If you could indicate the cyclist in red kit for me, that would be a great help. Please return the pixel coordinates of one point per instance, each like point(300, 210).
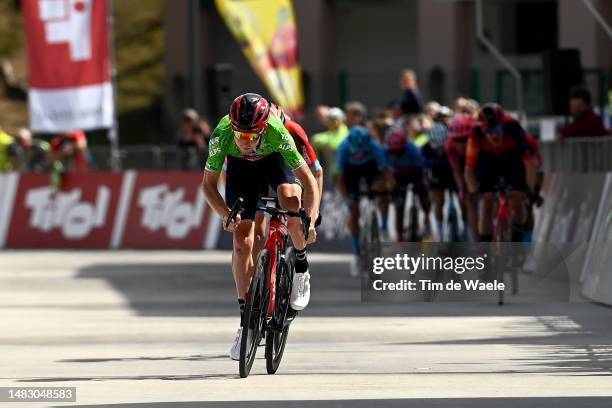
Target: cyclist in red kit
point(497, 150)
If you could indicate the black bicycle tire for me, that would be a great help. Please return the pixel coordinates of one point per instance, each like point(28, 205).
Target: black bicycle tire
point(413, 230)
point(277, 340)
point(500, 237)
point(256, 296)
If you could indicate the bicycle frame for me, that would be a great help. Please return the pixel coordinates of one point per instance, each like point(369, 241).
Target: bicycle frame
point(504, 212)
point(275, 245)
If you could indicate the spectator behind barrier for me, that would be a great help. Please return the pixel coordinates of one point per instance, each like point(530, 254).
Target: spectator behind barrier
point(6, 140)
point(321, 112)
point(356, 114)
point(412, 102)
point(194, 150)
point(29, 154)
point(70, 149)
point(190, 119)
point(585, 122)
point(326, 143)
point(381, 124)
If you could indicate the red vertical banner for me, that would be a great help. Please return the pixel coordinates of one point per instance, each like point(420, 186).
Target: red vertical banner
point(69, 64)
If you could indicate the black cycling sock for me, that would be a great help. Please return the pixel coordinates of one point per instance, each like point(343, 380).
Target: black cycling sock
point(486, 237)
point(241, 303)
point(301, 263)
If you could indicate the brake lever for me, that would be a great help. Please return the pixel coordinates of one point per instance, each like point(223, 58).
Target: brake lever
point(236, 209)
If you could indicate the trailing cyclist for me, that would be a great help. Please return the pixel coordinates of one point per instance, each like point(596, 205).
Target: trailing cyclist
point(440, 172)
point(407, 163)
point(361, 158)
point(497, 149)
point(310, 157)
point(460, 128)
point(260, 152)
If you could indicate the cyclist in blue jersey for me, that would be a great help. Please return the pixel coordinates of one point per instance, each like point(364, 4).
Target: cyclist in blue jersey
point(360, 157)
point(407, 163)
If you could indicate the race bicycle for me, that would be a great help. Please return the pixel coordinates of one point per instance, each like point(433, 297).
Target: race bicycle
point(267, 309)
point(502, 232)
point(369, 231)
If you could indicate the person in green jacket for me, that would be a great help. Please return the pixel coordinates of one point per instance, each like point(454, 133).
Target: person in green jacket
point(6, 162)
point(326, 143)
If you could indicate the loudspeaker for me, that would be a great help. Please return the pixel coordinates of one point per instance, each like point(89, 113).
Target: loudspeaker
point(219, 89)
point(562, 70)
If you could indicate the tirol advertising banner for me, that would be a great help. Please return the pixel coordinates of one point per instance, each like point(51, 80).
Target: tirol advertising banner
point(267, 33)
point(107, 210)
point(69, 65)
point(80, 215)
point(168, 210)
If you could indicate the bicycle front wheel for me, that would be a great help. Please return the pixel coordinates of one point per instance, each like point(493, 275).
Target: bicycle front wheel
point(277, 339)
point(254, 315)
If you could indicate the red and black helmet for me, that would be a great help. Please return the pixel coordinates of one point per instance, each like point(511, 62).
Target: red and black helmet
point(249, 113)
point(491, 115)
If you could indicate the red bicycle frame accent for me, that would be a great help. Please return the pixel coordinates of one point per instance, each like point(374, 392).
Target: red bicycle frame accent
point(503, 212)
point(277, 231)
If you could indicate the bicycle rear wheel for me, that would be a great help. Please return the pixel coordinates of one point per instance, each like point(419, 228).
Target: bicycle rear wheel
point(254, 315)
point(502, 234)
point(277, 339)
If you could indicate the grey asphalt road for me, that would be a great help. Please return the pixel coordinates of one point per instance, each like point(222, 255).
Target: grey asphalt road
point(152, 329)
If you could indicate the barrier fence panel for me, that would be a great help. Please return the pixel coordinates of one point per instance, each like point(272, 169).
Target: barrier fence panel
point(578, 155)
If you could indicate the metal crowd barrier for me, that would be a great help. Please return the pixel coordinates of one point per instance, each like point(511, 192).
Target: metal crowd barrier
point(139, 157)
point(585, 155)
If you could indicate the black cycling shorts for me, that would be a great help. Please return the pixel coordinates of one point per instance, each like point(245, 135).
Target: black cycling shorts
point(491, 168)
point(442, 177)
point(251, 179)
point(403, 180)
point(353, 174)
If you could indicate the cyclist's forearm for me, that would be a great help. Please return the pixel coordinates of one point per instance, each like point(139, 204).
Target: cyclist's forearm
point(318, 175)
point(340, 183)
point(311, 202)
point(531, 176)
point(209, 187)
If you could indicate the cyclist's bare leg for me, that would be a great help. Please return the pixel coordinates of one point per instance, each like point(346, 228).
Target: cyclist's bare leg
point(383, 204)
point(289, 198)
point(519, 210)
point(399, 218)
point(383, 201)
point(485, 223)
point(519, 215)
point(470, 211)
point(353, 221)
point(438, 196)
point(242, 259)
point(425, 203)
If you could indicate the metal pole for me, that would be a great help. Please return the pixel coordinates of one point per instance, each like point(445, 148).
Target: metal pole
point(113, 133)
point(598, 17)
point(195, 60)
point(497, 54)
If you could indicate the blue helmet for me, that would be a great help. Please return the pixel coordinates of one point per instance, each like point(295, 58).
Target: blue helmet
point(359, 139)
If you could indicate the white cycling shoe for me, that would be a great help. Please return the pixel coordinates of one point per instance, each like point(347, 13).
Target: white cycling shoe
point(234, 352)
point(300, 292)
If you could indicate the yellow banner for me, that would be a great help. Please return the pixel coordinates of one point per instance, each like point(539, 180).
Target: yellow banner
point(267, 34)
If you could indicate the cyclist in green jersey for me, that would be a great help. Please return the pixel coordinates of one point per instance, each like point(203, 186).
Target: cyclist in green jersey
point(260, 152)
